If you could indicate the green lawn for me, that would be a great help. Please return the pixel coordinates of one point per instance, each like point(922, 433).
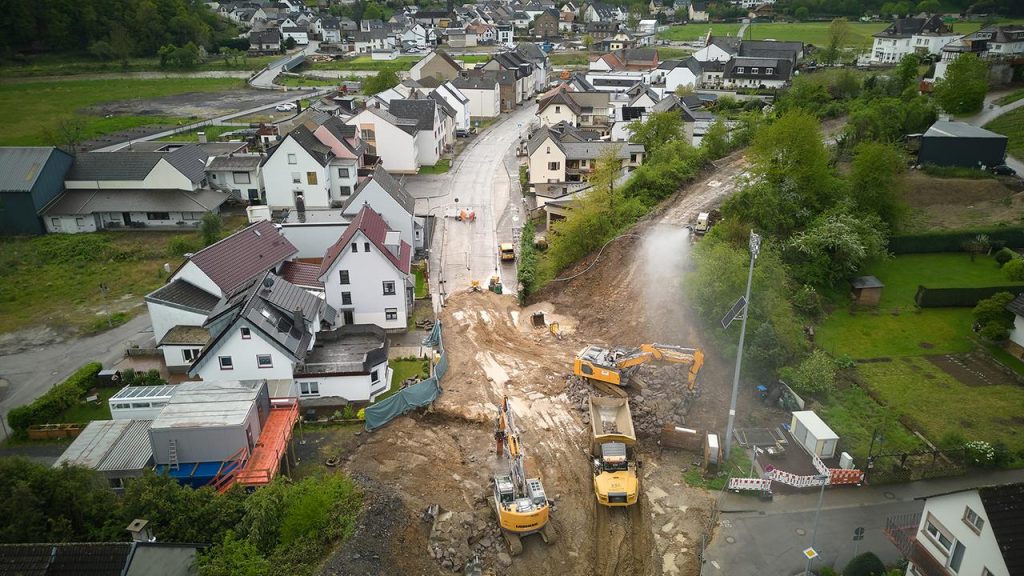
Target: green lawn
point(672, 53)
point(421, 283)
point(570, 59)
point(367, 63)
point(940, 404)
point(471, 58)
point(302, 81)
point(1011, 97)
point(696, 31)
point(855, 416)
point(83, 413)
point(441, 167)
point(1011, 125)
point(72, 64)
point(212, 133)
point(34, 107)
point(738, 466)
point(405, 368)
point(895, 328)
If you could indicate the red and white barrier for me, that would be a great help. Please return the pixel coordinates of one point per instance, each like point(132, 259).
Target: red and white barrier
point(760, 484)
point(839, 476)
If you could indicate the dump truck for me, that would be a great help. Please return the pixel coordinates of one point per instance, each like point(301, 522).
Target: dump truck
point(705, 220)
point(507, 251)
point(616, 482)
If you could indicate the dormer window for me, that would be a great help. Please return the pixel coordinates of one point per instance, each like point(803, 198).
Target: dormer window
point(739, 69)
point(754, 70)
point(769, 71)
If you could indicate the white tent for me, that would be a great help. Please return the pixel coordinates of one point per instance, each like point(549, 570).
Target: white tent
point(813, 434)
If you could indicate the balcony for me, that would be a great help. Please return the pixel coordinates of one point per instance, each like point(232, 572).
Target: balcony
point(902, 532)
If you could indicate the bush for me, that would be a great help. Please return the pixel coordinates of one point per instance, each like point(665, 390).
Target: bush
point(181, 245)
point(1014, 269)
point(959, 297)
point(527, 262)
point(1004, 255)
point(952, 240)
point(56, 400)
point(816, 374)
point(866, 564)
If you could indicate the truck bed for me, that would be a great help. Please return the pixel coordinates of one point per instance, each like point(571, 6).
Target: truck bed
point(611, 420)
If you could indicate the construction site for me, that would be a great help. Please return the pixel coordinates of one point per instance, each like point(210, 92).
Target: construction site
point(442, 464)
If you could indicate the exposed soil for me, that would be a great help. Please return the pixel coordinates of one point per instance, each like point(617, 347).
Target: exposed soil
point(949, 203)
point(198, 104)
point(975, 369)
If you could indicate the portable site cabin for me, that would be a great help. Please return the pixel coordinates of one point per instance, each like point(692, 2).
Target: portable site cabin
point(140, 402)
point(813, 434)
point(206, 425)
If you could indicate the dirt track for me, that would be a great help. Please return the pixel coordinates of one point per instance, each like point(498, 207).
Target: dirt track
point(632, 295)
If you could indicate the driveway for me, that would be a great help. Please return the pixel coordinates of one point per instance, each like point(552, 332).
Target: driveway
point(484, 179)
point(990, 112)
point(265, 79)
point(30, 374)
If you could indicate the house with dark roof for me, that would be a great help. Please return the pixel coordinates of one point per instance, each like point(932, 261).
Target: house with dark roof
point(521, 71)
point(349, 155)
point(741, 72)
point(562, 158)
point(297, 172)
point(1015, 345)
point(483, 92)
point(155, 184)
point(438, 65)
point(971, 531)
point(389, 138)
point(193, 291)
point(545, 25)
point(238, 175)
point(265, 42)
point(261, 331)
point(138, 558)
point(904, 36)
point(366, 274)
point(30, 178)
point(389, 198)
point(1001, 45)
point(586, 110)
point(457, 103)
point(532, 53)
point(431, 134)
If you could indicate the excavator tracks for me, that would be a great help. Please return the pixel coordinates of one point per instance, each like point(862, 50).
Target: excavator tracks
point(609, 389)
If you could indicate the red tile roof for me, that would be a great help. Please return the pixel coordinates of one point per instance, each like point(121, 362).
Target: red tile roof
point(375, 229)
point(243, 255)
point(302, 274)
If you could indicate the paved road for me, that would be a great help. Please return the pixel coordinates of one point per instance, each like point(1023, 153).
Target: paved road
point(990, 112)
point(265, 80)
point(33, 372)
point(484, 180)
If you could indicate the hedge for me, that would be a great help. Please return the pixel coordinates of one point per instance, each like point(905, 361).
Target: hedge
point(961, 297)
point(953, 240)
point(56, 400)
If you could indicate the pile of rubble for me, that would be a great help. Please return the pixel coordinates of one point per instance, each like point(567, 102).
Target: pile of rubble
point(466, 541)
point(427, 324)
point(658, 395)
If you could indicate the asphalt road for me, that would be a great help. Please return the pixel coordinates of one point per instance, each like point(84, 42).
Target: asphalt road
point(265, 79)
point(990, 112)
point(30, 374)
point(484, 180)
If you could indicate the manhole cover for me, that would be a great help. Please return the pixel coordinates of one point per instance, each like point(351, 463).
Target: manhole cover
point(730, 539)
point(889, 496)
point(801, 532)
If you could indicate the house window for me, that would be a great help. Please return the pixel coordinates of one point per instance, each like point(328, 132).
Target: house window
point(213, 176)
point(342, 172)
point(292, 159)
point(346, 298)
point(389, 288)
point(632, 158)
point(739, 69)
point(973, 520)
point(190, 215)
point(225, 363)
point(939, 536)
point(80, 222)
point(769, 71)
point(189, 354)
point(355, 247)
point(309, 388)
point(240, 177)
point(558, 109)
point(264, 361)
point(296, 178)
point(755, 70)
point(246, 333)
point(374, 377)
point(554, 165)
point(55, 222)
point(366, 246)
point(391, 313)
point(158, 216)
point(346, 190)
point(311, 178)
point(343, 276)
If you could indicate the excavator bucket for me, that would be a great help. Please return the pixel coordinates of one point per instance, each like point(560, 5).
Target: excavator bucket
point(555, 330)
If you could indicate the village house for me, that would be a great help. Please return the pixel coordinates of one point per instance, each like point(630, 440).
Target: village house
point(237, 174)
point(904, 36)
point(437, 65)
point(388, 198)
point(483, 93)
point(390, 138)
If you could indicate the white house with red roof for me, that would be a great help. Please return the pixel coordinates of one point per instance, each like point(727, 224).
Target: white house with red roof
point(389, 198)
point(179, 308)
point(366, 274)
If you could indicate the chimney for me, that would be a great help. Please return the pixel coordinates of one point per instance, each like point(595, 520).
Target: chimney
point(297, 318)
point(140, 531)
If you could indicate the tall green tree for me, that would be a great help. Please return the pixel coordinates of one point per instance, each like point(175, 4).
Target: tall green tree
point(963, 89)
point(383, 80)
point(835, 246)
point(876, 182)
point(659, 129)
point(838, 36)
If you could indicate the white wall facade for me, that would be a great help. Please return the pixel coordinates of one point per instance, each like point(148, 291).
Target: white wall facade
point(279, 178)
point(540, 161)
point(462, 112)
point(1017, 334)
point(343, 176)
point(240, 182)
point(175, 357)
point(382, 203)
point(243, 354)
point(396, 148)
point(947, 513)
point(711, 53)
point(428, 147)
point(358, 388)
point(367, 273)
point(71, 224)
point(555, 113)
point(890, 50)
point(195, 276)
point(483, 103)
point(163, 318)
point(680, 76)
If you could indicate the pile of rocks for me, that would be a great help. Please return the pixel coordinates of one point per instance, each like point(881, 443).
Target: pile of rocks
point(466, 540)
point(658, 395)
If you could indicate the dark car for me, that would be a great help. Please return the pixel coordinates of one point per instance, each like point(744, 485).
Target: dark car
point(1003, 170)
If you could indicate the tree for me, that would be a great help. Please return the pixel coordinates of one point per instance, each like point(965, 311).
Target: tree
point(588, 41)
point(866, 564)
point(632, 21)
point(602, 178)
point(906, 73)
point(963, 89)
point(978, 245)
point(122, 44)
point(801, 13)
point(876, 182)
point(838, 35)
point(659, 129)
point(684, 90)
point(179, 513)
point(816, 374)
point(716, 139)
point(835, 246)
point(102, 50)
point(210, 227)
point(233, 556)
point(992, 317)
point(929, 6)
point(384, 79)
point(289, 43)
point(68, 133)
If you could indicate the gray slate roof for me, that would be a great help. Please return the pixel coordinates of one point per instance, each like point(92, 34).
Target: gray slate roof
point(75, 202)
point(948, 129)
point(1017, 305)
point(393, 187)
point(422, 111)
point(181, 294)
point(476, 82)
point(317, 149)
point(243, 162)
point(20, 166)
point(113, 165)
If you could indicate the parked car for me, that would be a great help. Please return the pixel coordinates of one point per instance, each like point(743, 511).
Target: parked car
point(460, 133)
point(1003, 170)
point(286, 107)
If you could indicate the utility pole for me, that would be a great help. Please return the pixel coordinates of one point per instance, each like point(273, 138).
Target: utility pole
point(814, 534)
point(755, 249)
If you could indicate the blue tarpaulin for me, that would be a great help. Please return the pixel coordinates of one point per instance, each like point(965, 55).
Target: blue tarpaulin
point(415, 396)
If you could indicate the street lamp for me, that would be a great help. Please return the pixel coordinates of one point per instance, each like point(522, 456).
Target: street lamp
point(755, 249)
point(817, 515)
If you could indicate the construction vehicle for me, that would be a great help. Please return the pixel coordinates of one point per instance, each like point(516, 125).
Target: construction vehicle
point(617, 366)
point(507, 252)
point(520, 503)
point(494, 285)
point(705, 220)
point(616, 482)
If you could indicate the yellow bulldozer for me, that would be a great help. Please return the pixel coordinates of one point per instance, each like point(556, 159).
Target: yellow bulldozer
point(614, 367)
point(519, 502)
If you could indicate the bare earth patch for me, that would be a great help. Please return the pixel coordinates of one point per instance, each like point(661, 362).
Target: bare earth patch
point(950, 203)
point(975, 369)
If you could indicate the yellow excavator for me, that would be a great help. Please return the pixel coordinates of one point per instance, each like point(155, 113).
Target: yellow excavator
point(603, 366)
point(520, 503)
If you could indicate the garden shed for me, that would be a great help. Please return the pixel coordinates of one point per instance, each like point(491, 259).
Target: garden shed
point(960, 144)
point(867, 290)
point(813, 434)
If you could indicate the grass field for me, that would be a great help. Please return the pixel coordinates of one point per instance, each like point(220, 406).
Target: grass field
point(212, 133)
point(1011, 97)
point(895, 328)
point(940, 404)
point(855, 416)
point(1011, 125)
point(421, 282)
point(83, 413)
point(442, 166)
point(74, 64)
point(302, 81)
point(34, 107)
point(368, 63)
point(808, 32)
point(570, 58)
point(471, 58)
